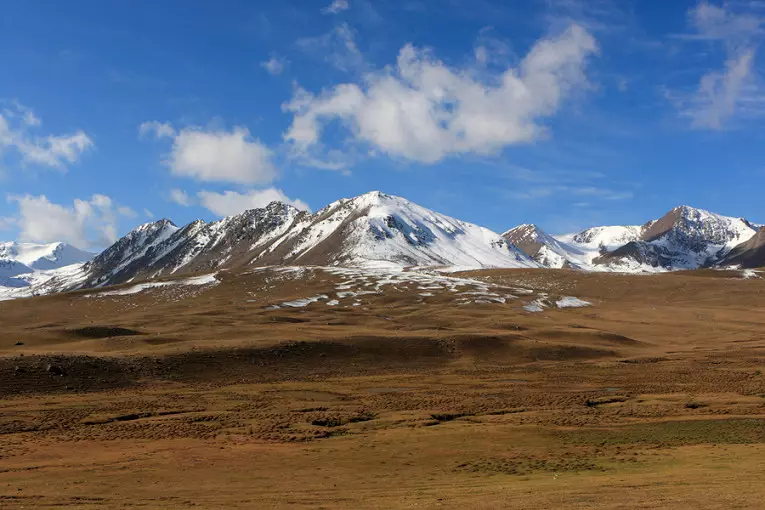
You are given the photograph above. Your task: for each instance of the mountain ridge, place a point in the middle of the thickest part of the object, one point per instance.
(377, 230)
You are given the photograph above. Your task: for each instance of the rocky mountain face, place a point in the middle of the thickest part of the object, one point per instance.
(162, 248)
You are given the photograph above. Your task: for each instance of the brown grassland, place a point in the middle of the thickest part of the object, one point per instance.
(413, 396)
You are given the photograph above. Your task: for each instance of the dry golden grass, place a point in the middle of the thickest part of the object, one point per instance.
(653, 397)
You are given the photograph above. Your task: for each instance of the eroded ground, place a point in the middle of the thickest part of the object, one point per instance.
(240, 394)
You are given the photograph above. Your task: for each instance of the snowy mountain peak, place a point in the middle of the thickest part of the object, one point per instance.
(153, 226)
(697, 229)
(542, 247)
(43, 256)
(377, 229)
(526, 233)
(272, 208)
(22, 263)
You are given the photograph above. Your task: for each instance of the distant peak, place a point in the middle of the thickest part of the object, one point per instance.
(154, 226)
(375, 194)
(687, 209)
(525, 230)
(164, 222)
(524, 226)
(374, 197)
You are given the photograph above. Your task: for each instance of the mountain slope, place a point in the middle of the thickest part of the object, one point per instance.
(748, 254)
(544, 248)
(9, 270)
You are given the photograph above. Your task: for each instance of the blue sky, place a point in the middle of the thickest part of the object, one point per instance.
(565, 113)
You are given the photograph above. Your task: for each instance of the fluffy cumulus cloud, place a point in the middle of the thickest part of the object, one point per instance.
(229, 203)
(215, 155)
(723, 93)
(86, 224)
(17, 126)
(425, 111)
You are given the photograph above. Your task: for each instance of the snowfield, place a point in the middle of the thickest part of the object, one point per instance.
(208, 280)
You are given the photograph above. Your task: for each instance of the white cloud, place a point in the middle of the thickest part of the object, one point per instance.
(570, 192)
(229, 203)
(336, 6)
(86, 224)
(722, 94)
(156, 129)
(275, 65)
(215, 155)
(23, 113)
(126, 211)
(180, 197)
(719, 93)
(148, 213)
(715, 23)
(54, 151)
(337, 47)
(423, 110)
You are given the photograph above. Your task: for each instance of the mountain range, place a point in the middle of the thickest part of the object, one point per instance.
(376, 230)
(684, 238)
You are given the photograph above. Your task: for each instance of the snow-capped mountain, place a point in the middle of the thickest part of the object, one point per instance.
(377, 230)
(372, 230)
(684, 238)
(544, 248)
(22, 262)
(43, 256)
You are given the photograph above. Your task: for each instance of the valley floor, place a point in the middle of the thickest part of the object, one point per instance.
(223, 396)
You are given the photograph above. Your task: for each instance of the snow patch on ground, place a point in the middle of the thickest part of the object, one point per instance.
(535, 306)
(750, 273)
(301, 303)
(204, 280)
(571, 302)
